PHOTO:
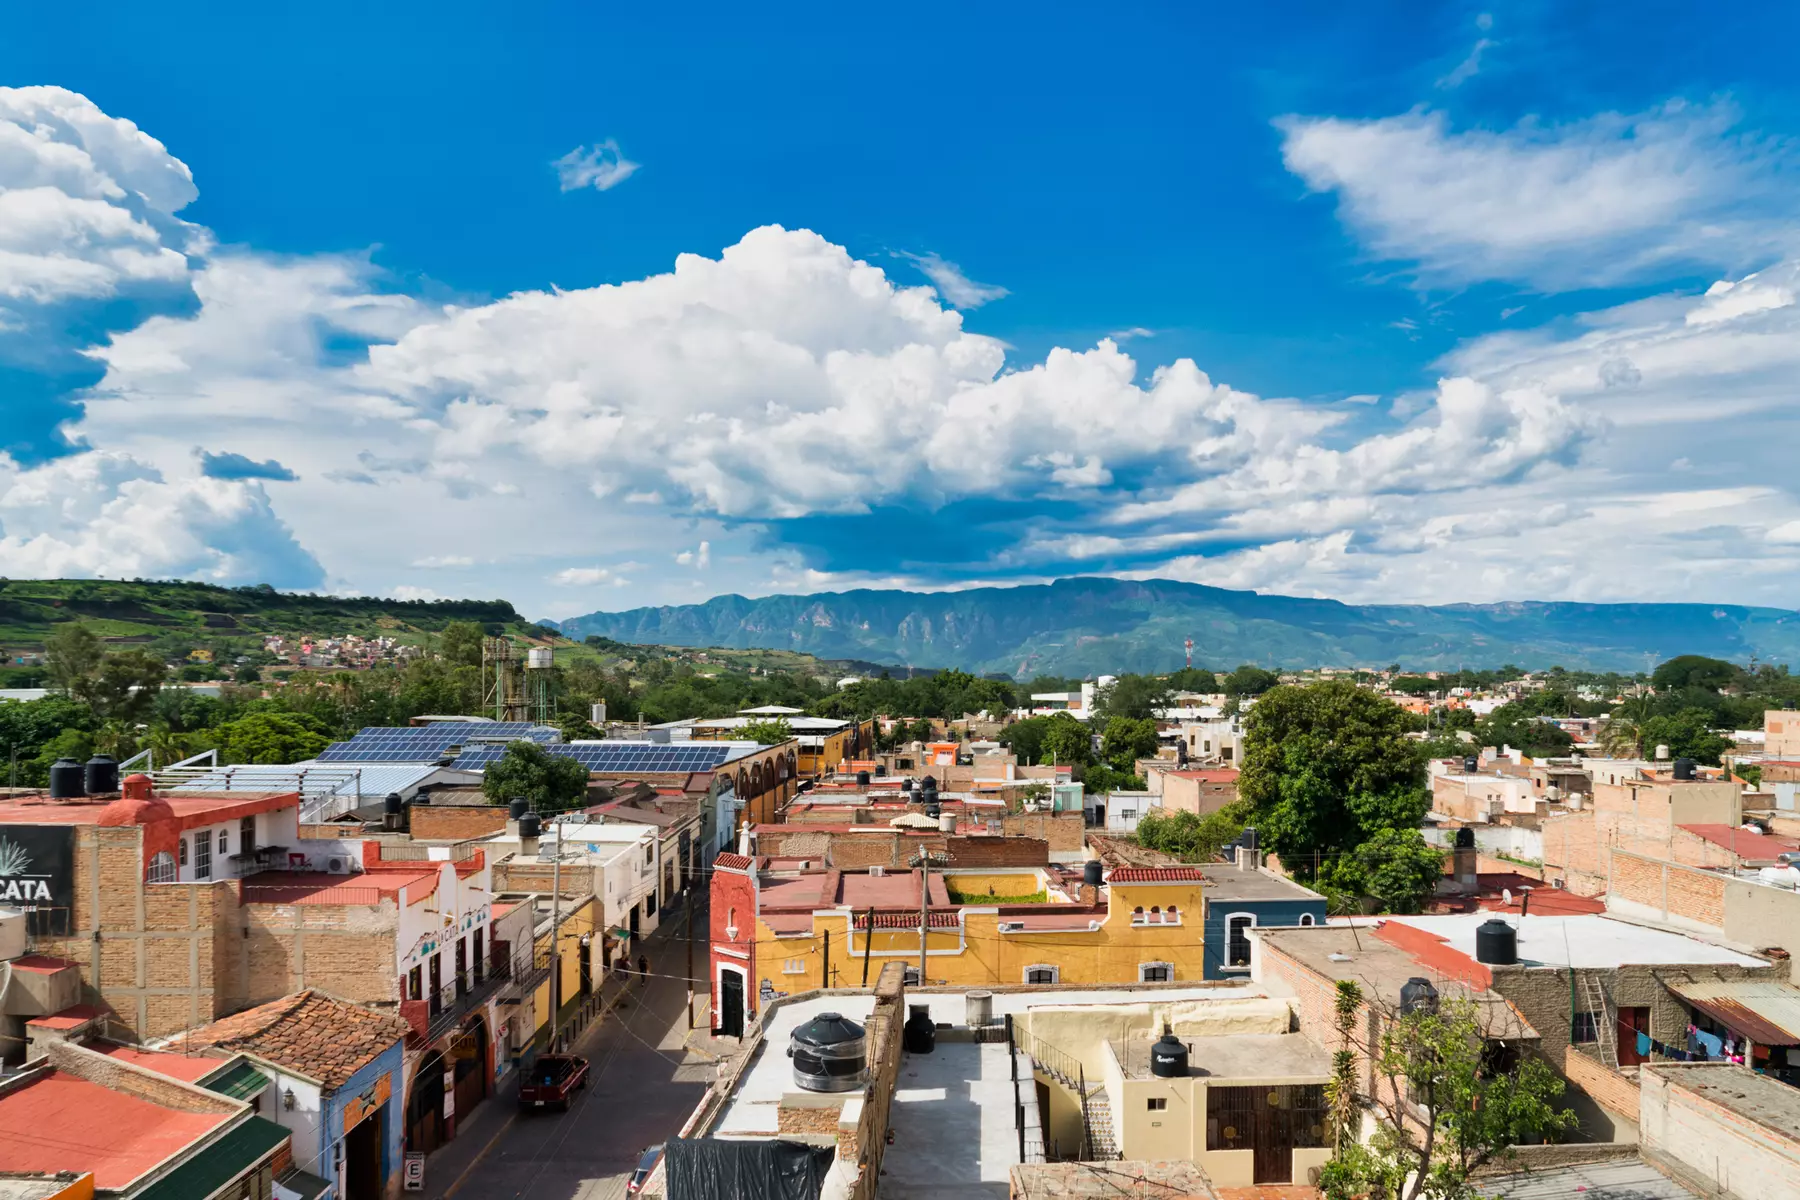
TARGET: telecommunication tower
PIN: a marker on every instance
(1189, 644)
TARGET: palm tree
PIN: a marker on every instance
(1622, 737)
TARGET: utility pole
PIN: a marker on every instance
(924, 910)
(555, 944)
(825, 968)
(689, 907)
(868, 945)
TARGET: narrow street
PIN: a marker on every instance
(643, 1084)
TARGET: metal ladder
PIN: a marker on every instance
(1606, 1039)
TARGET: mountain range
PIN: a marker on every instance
(1086, 626)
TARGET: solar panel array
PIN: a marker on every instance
(646, 757)
(427, 743)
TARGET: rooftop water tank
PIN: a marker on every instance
(906, 785)
(68, 780)
(1465, 838)
(539, 657)
(1496, 942)
(1471, 764)
(862, 779)
(829, 1054)
(1417, 995)
(946, 822)
(1684, 768)
(518, 808)
(1169, 1057)
(920, 1034)
(101, 775)
(1093, 872)
(531, 825)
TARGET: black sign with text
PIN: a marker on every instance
(37, 872)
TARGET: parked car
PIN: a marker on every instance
(646, 1164)
(552, 1079)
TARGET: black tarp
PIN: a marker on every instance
(729, 1169)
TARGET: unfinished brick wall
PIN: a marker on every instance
(998, 851)
(1670, 889)
(1642, 819)
(128, 1079)
(455, 822)
(1063, 831)
(347, 950)
(1709, 1144)
(881, 1034)
(1610, 1089)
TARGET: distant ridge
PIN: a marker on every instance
(1087, 625)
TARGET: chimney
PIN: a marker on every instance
(745, 846)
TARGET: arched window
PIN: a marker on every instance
(162, 868)
(1137, 916)
(1042, 973)
(1156, 914)
(1173, 916)
(1306, 919)
(756, 780)
(1156, 972)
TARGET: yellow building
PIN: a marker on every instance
(779, 932)
(822, 744)
(578, 962)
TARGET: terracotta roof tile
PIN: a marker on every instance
(1156, 875)
(317, 1035)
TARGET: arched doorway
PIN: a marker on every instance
(793, 764)
(469, 1058)
(425, 1105)
(756, 780)
(743, 784)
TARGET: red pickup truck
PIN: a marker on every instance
(551, 1080)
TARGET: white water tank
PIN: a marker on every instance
(12, 934)
(539, 658)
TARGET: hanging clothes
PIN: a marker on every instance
(1643, 1045)
(1711, 1045)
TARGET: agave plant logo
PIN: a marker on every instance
(14, 860)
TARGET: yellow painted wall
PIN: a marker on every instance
(577, 920)
(979, 955)
(80, 1189)
(975, 884)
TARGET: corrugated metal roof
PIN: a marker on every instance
(225, 1161)
(1766, 1011)
(362, 779)
(1624, 1179)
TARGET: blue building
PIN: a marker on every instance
(1239, 897)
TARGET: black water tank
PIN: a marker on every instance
(920, 1034)
(530, 825)
(1465, 838)
(928, 784)
(1248, 838)
(880, 771)
(393, 806)
(829, 1054)
(1684, 768)
(1496, 942)
(862, 779)
(906, 784)
(68, 781)
(1417, 995)
(1471, 764)
(101, 775)
(1093, 871)
(518, 808)
(1169, 1058)
(931, 807)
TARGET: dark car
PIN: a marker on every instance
(646, 1164)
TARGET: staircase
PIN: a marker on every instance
(1096, 1112)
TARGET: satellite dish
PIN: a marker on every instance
(1506, 895)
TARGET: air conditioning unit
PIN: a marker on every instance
(877, 872)
(1012, 926)
(337, 866)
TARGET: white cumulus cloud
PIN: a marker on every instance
(957, 289)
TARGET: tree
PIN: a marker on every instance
(1100, 777)
(1397, 867)
(461, 643)
(1249, 680)
(1194, 679)
(125, 686)
(1448, 1098)
(1135, 697)
(1026, 739)
(1696, 671)
(72, 653)
(1189, 836)
(1326, 767)
(1510, 725)
(766, 733)
(1687, 734)
(269, 737)
(1126, 740)
(1067, 742)
(551, 782)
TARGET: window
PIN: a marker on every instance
(203, 855)
(1172, 916)
(911, 978)
(415, 984)
(162, 868)
(1157, 1104)
(649, 855)
(1042, 973)
(224, 849)
(1157, 972)
(1156, 914)
(1128, 814)
(1137, 916)
(793, 966)
(1237, 939)
(181, 849)
(247, 835)
(1306, 918)
(1584, 1028)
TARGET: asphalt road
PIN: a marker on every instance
(643, 1083)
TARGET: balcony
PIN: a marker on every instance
(464, 994)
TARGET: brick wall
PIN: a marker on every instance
(998, 851)
(1710, 1145)
(881, 1033)
(1610, 1089)
(119, 1076)
(1672, 890)
(1063, 831)
(347, 950)
(454, 822)
(1637, 818)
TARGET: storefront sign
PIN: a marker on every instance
(37, 866)
(372, 1098)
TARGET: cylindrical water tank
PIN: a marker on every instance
(946, 822)
(68, 779)
(978, 1008)
(1684, 768)
(862, 779)
(1465, 838)
(101, 775)
(1093, 872)
(829, 1054)
(1496, 942)
(1169, 1057)
(1419, 995)
(518, 808)
(1248, 839)
(539, 657)
(530, 826)
(920, 1034)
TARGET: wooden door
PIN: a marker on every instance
(731, 1004)
(1632, 1021)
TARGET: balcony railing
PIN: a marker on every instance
(465, 993)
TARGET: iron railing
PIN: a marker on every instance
(471, 993)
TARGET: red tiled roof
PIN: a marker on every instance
(733, 862)
(61, 1122)
(892, 920)
(1742, 842)
(1156, 875)
(317, 1035)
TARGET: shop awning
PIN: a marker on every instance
(1764, 1010)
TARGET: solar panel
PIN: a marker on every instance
(621, 757)
(426, 743)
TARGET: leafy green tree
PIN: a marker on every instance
(1449, 1098)
(460, 643)
(1195, 679)
(24, 728)
(1025, 738)
(125, 686)
(77, 744)
(1327, 766)
(1396, 867)
(1191, 837)
(1067, 742)
(1512, 725)
(1127, 739)
(72, 653)
(1250, 680)
(766, 733)
(269, 737)
(1687, 734)
(1696, 671)
(550, 782)
(1099, 778)
(1415, 685)
(1133, 697)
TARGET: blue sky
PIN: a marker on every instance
(1383, 302)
